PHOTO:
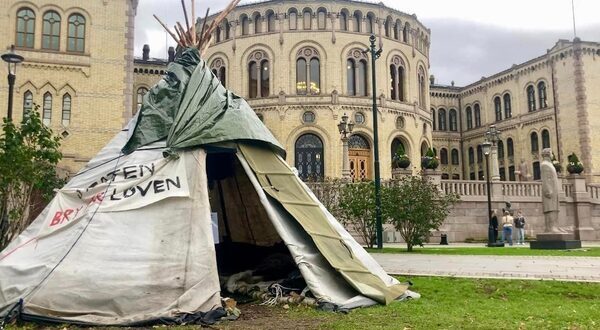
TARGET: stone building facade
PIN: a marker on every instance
(78, 68)
(551, 101)
(301, 65)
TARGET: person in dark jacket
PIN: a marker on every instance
(495, 225)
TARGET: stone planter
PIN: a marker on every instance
(399, 173)
(575, 168)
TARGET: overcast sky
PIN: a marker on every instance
(469, 38)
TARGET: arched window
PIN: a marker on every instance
(452, 119)
(535, 147)
(270, 21)
(406, 33)
(510, 150)
(477, 111)
(498, 108)
(356, 72)
(471, 156)
(442, 120)
(397, 29)
(307, 19)
(245, 23)
(357, 19)
(51, 30)
(66, 110)
(479, 154)
(370, 23)
(454, 157)
(343, 21)
(531, 98)
(76, 34)
(47, 109)
(434, 125)
(218, 69)
(469, 115)
(397, 79)
(218, 33)
(542, 95)
(322, 19)
(545, 139)
(421, 80)
(227, 29)
(444, 156)
(308, 72)
(27, 103)
(500, 149)
(293, 19)
(258, 75)
(507, 106)
(25, 28)
(309, 160)
(139, 99)
(396, 144)
(257, 19)
(387, 27)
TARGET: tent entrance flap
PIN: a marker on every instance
(245, 236)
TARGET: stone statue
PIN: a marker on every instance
(550, 191)
(523, 171)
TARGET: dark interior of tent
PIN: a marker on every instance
(247, 239)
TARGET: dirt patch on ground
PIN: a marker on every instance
(255, 316)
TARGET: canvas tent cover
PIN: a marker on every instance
(129, 239)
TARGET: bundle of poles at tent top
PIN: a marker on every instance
(188, 38)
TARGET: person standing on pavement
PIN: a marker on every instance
(507, 226)
(519, 222)
(495, 225)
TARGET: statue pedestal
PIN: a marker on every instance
(555, 241)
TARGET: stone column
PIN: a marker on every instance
(583, 209)
(434, 176)
(345, 160)
(494, 163)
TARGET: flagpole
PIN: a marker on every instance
(573, 10)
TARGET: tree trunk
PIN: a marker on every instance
(409, 247)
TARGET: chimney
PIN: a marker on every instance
(146, 52)
(171, 54)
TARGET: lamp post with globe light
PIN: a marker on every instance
(487, 148)
(12, 59)
(345, 127)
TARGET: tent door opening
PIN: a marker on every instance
(247, 240)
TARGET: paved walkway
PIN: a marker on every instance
(582, 269)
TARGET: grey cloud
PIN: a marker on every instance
(465, 51)
(462, 51)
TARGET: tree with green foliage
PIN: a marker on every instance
(28, 157)
(356, 209)
(415, 206)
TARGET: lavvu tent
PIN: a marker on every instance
(130, 239)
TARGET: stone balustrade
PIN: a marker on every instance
(579, 210)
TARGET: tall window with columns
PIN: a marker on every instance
(25, 28)
(356, 73)
(507, 106)
(218, 69)
(258, 75)
(498, 108)
(469, 115)
(543, 100)
(477, 111)
(308, 72)
(531, 98)
(452, 120)
(397, 79)
(421, 79)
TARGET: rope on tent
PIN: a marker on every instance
(79, 236)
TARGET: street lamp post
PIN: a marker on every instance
(492, 135)
(487, 147)
(12, 59)
(345, 127)
(375, 54)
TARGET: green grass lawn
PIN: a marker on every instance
(505, 251)
(453, 303)
(446, 303)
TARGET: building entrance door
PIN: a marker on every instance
(360, 158)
